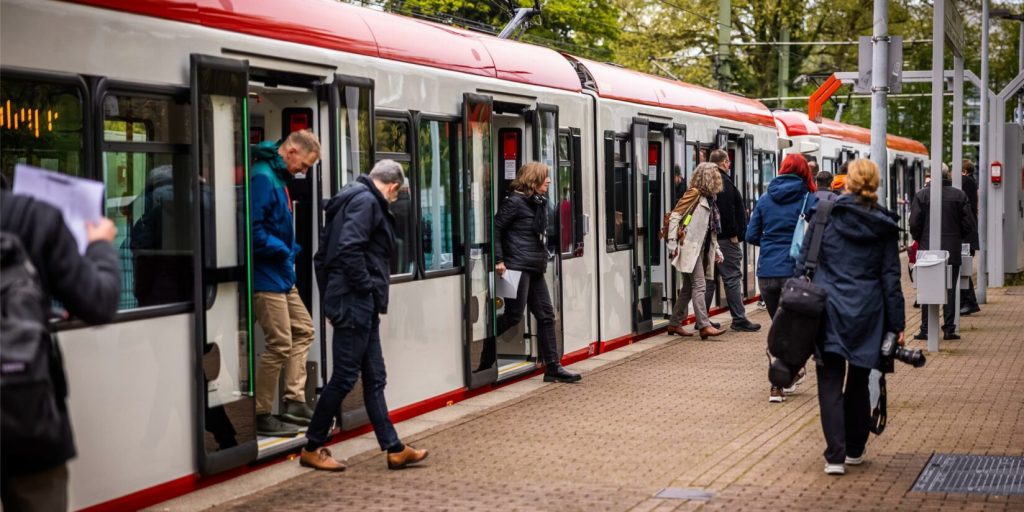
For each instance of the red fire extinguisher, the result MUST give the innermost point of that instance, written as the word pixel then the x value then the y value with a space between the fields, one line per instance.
pixel 996 172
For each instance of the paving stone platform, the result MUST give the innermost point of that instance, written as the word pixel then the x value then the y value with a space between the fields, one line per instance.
pixel 673 412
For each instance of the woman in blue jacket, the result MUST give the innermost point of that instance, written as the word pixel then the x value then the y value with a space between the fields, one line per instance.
pixel 771 227
pixel 859 268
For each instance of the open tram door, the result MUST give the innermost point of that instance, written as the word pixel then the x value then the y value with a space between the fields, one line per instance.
pixel 674 185
pixel 225 409
pixel 495 349
pixel 740 148
pixel 652 192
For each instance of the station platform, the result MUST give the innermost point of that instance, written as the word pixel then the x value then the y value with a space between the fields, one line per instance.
pixel 679 413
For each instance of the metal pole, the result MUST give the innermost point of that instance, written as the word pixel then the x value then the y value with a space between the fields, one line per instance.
pixel 1020 67
pixel 879 90
pixel 724 38
pixel 983 184
pixel 958 155
pixel 784 65
pixel 935 196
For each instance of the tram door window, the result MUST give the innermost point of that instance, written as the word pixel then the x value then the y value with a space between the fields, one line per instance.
pixel 393 141
pixel 147 171
pixel 545 150
pixel 828 164
pixel 570 236
pixel 479 349
pixel 644 188
pixel 440 166
pixel 41 124
pixel 223 304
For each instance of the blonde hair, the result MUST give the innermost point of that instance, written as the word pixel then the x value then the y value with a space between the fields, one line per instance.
pixel 305 141
pixel 530 178
pixel 706 179
pixel 862 181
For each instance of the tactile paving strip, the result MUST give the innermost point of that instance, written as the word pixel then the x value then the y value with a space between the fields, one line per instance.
pixel 982 474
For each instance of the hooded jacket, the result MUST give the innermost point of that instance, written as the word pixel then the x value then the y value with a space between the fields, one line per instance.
pixel 519 228
pixel 859 268
pixel 773 222
pixel 359 263
pixel 270 213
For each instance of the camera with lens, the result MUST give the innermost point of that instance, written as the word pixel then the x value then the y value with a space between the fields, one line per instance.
pixel 891 350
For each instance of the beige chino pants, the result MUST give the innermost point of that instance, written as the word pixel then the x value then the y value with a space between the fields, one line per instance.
pixel 288 329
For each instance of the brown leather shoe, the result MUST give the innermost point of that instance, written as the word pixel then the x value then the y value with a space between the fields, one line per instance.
pixel 710 331
pixel 405 457
pixel 320 459
pixel 677 330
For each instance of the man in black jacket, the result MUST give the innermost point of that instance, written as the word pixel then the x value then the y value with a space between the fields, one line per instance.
pixel 88 286
pixel 354 272
pixel 734 225
pixel 968 300
pixel 957 226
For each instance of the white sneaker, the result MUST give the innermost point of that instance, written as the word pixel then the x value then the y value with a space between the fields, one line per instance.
pixel 835 469
pixel 856 461
pixel 790 390
pixel 776 396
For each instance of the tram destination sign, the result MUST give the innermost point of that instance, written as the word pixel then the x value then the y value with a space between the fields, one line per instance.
pixel 953 25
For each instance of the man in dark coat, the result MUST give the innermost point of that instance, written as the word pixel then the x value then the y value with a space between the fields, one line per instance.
pixel 734 226
pixel 957 227
pixel 968 300
pixel 353 271
pixel 89 286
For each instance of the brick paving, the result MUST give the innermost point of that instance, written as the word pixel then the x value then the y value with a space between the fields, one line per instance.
pixel 695 414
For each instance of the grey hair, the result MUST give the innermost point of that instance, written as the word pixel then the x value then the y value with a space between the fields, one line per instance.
pixel 946 174
pixel 387 172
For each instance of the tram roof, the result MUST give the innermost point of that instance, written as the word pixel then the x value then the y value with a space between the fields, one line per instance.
pixel 619 83
pixel 353 29
pixel 797 124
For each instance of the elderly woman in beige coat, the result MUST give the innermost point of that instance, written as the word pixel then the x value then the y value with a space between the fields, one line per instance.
pixel 693 245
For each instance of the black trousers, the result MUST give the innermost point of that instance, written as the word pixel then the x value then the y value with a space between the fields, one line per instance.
pixel 948 309
pixel 771 292
pixel 968 299
pixel 532 292
pixel 845 416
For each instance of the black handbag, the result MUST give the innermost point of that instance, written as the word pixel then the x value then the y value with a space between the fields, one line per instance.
pixel 795 327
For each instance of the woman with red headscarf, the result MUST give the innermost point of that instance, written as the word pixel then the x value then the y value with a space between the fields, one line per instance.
pixel 771 227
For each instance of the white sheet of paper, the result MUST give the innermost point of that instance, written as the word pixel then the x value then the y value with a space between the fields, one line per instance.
pixel 78 199
pixel 508 285
pixel 510 169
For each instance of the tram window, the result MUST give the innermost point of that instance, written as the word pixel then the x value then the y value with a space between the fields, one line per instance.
pixel 149 185
pixel 566 210
pixel 618 183
pixel 354 111
pixel 40 125
pixel 393 143
pixel 439 166
pixel 828 164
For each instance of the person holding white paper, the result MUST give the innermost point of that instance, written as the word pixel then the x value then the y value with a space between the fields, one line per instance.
pixel 519 229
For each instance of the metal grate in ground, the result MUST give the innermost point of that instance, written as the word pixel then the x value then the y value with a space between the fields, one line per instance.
pixel 981 474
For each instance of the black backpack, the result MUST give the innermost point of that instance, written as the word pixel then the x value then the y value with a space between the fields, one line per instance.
pixel 32 385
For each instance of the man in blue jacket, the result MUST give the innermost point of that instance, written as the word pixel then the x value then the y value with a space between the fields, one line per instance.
pixel 279 309
pixel 353 271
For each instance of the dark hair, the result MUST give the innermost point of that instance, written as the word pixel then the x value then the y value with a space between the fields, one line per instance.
pixel 824 180
pixel 968 167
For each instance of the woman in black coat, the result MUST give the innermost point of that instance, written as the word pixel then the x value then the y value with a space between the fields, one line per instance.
pixel 519 230
pixel 859 267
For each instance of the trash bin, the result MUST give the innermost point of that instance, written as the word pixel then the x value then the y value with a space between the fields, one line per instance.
pixel 931 276
pixel 966 267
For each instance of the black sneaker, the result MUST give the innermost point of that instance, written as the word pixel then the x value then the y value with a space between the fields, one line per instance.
pixel 966 311
pixel 921 336
pixel 267 425
pixel 560 374
pixel 950 336
pixel 716 325
pixel 296 412
pixel 746 326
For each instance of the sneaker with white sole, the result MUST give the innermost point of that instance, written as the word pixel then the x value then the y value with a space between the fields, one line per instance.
pixel 856 461
pixel 789 391
pixel 776 396
pixel 835 469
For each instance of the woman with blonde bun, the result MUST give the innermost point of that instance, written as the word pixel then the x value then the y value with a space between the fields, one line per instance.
pixel 859 268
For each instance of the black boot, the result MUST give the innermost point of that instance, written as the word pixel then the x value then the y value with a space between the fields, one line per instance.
pixel 556 373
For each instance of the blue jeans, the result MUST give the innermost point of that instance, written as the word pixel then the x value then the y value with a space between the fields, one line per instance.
pixel 356 347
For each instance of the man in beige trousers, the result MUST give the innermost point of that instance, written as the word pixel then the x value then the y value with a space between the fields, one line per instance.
pixel 278 308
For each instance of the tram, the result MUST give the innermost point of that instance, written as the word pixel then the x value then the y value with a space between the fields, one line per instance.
pixel 832 144
pixel 161 100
